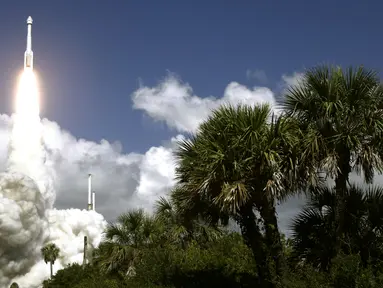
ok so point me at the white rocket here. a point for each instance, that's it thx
(28, 55)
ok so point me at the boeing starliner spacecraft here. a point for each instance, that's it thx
(28, 55)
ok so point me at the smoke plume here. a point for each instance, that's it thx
(27, 220)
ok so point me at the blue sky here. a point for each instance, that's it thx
(91, 55)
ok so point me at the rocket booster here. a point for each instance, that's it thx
(28, 55)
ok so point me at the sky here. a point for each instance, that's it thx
(119, 79)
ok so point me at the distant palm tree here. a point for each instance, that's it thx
(340, 113)
(14, 285)
(133, 231)
(50, 253)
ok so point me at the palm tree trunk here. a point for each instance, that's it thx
(273, 237)
(254, 240)
(341, 189)
(51, 264)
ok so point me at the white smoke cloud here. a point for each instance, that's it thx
(22, 225)
(121, 182)
(65, 228)
(27, 194)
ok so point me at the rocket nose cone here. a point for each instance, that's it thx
(29, 20)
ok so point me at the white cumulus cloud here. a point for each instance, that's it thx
(174, 102)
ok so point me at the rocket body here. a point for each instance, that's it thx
(28, 55)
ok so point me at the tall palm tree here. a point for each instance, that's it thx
(242, 158)
(50, 253)
(124, 240)
(314, 228)
(340, 113)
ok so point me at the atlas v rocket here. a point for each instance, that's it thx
(28, 64)
(28, 55)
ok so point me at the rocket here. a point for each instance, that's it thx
(28, 55)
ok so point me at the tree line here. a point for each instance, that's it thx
(243, 161)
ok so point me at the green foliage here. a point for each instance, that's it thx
(77, 276)
(14, 285)
(125, 239)
(304, 276)
(100, 283)
(69, 276)
(314, 227)
(224, 261)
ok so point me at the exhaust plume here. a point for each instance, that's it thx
(27, 218)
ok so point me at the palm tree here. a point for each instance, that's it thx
(242, 158)
(340, 113)
(180, 229)
(14, 285)
(50, 253)
(314, 229)
(124, 240)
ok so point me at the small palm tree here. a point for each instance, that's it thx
(180, 229)
(50, 253)
(133, 231)
(314, 229)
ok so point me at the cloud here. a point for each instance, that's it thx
(292, 80)
(174, 102)
(121, 181)
(257, 75)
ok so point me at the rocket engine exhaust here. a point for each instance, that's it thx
(28, 55)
